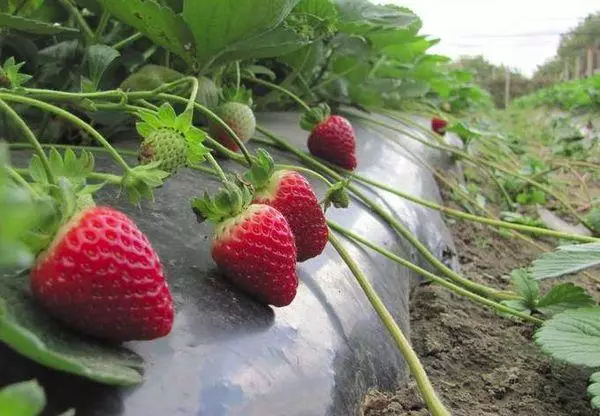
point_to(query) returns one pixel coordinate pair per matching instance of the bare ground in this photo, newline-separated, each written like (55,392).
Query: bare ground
(480,363)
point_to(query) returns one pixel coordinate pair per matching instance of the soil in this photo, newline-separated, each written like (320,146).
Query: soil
(480,363)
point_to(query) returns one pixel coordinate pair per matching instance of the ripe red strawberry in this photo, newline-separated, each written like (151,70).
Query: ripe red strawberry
(253,246)
(439,125)
(291,194)
(332,137)
(240,118)
(101,276)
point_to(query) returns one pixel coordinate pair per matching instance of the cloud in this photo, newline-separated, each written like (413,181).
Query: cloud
(518,33)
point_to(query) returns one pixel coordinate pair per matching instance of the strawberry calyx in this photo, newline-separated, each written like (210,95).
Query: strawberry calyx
(139,181)
(10,75)
(261,171)
(61,200)
(337,195)
(314,117)
(230,201)
(240,95)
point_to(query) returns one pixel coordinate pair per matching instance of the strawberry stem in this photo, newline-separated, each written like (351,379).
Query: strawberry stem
(278,88)
(436,279)
(193,94)
(123,152)
(127,41)
(481,163)
(103,177)
(154,94)
(216,168)
(464,215)
(395,224)
(33,141)
(74,11)
(434,404)
(70,117)
(19,180)
(238,76)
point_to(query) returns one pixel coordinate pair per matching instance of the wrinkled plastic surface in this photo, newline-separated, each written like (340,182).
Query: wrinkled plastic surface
(228,355)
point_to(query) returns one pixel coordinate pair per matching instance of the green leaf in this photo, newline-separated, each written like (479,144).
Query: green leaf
(324,9)
(159,23)
(566,260)
(24,7)
(384,38)
(8,21)
(217,25)
(22,399)
(572,336)
(280,41)
(99,59)
(362,16)
(564,296)
(407,52)
(594,390)
(517,304)
(31,332)
(525,286)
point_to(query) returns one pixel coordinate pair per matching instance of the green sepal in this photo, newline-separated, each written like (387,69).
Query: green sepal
(261,171)
(196,151)
(21,216)
(59,202)
(337,195)
(242,95)
(68,166)
(139,182)
(10,77)
(316,115)
(231,200)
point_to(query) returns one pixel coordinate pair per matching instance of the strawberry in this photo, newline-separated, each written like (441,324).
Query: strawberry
(439,125)
(331,137)
(253,245)
(101,276)
(166,146)
(240,118)
(291,194)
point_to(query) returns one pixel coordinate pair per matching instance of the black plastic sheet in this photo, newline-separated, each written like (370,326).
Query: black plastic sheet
(228,355)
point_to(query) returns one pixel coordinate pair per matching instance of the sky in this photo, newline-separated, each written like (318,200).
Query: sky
(519,33)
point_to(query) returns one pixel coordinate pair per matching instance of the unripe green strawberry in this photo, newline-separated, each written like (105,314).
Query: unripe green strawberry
(164,145)
(208,92)
(240,118)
